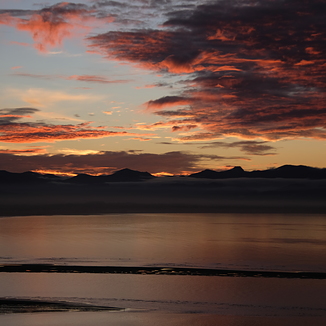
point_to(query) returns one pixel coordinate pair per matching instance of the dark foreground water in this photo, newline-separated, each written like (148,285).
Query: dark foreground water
(265,242)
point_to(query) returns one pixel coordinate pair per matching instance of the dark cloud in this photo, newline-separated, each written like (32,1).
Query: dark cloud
(252,69)
(10,115)
(16,12)
(109,4)
(168,101)
(106,162)
(248,147)
(103,162)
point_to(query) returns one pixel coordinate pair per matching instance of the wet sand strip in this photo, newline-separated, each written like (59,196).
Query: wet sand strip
(29,306)
(51,268)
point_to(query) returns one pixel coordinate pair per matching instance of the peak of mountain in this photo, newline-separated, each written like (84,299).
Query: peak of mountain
(129,175)
(84,178)
(209,174)
(237,168)
(235,172)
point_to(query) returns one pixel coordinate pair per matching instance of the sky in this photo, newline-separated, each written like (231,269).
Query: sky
(164,86)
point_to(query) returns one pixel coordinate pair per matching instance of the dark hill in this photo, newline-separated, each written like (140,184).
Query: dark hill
(129,175)
(86,179)
(208,174)
(236,172)
(285,171)
(123,175)
(291,172)
(25,178)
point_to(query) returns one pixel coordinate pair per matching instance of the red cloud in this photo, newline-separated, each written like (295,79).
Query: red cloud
(51,25)
(30,133)
(16,132)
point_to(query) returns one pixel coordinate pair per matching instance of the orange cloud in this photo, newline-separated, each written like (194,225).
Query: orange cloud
(30,151)
(29,133)
(51,25)
(96,79)
(12,131)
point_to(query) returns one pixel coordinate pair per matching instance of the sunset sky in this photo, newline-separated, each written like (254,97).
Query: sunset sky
(164,86)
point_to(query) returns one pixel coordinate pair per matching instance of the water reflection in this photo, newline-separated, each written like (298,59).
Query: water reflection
(286,242)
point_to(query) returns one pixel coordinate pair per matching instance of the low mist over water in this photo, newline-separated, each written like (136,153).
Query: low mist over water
(177,194)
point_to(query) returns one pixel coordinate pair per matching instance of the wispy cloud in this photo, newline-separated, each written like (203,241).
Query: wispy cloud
(41,97)
(14,131)
(83,78)
(248,147)
(23,152)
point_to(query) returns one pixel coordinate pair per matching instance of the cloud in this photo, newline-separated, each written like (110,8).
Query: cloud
(51,25)
(13,131)
(10,115)
(174,125)
(97,79)
(44,97)
(168,101)
(103,162)
(84,78)
(27,151)
(244,74)
(106,162)
(183,128)
(248,147)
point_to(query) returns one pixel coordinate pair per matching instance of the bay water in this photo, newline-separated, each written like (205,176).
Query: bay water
(265,242)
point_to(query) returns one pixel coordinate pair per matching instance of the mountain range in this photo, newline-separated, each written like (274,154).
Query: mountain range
(128,175)
(285,172)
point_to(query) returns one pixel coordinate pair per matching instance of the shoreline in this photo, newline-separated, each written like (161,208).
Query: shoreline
(14,305)
(52,268)
(98,208)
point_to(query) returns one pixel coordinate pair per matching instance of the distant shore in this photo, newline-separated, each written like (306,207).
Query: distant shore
(166,195)
(103,208)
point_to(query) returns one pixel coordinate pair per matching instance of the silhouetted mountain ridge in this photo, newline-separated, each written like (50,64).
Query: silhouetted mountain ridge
(26,177)
(124,175)
(236,172)
(284,171)
(128,175)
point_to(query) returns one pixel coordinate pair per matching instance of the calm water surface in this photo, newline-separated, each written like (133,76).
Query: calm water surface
(235,241)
